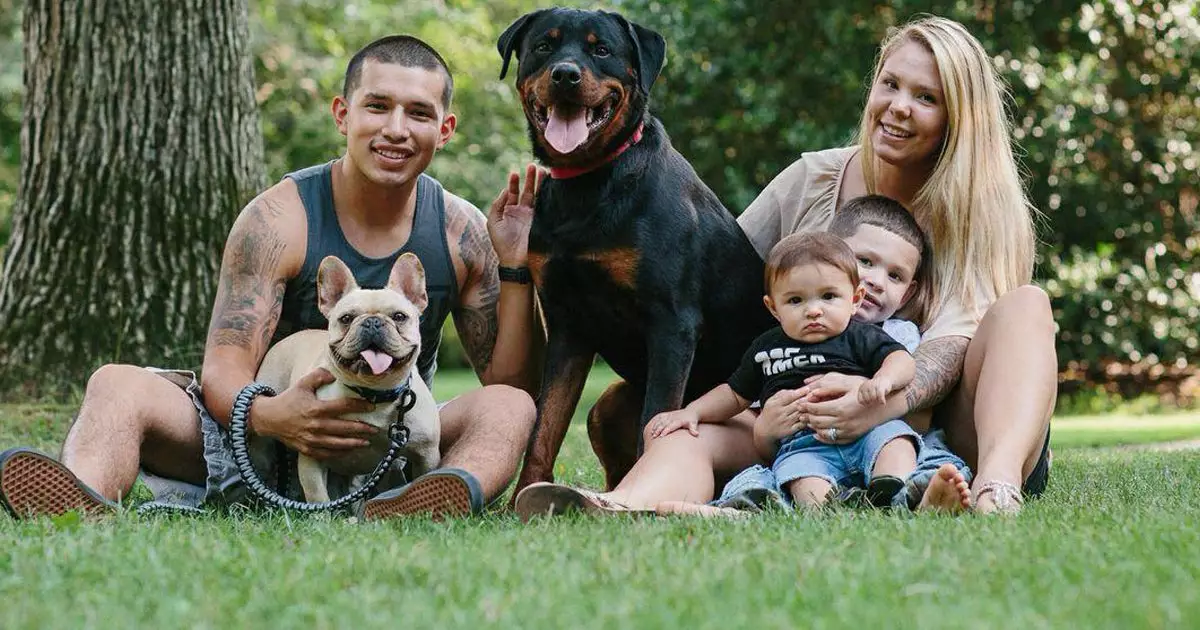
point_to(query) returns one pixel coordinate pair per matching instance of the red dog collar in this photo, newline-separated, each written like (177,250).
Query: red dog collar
(567,172)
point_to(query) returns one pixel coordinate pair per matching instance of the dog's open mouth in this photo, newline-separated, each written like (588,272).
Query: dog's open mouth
(567,126)
(376,362)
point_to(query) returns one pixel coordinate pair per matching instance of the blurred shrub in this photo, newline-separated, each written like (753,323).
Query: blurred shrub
(451,353)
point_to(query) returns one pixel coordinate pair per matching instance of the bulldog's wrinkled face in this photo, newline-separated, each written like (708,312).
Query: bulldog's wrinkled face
(374,334)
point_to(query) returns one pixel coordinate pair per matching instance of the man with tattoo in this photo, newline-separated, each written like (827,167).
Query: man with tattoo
(367,207)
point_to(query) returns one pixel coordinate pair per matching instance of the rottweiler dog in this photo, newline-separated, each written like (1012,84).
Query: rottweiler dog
(632,255)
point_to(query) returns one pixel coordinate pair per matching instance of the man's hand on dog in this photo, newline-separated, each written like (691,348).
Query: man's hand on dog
(670,421)
(510,216)
(308,425)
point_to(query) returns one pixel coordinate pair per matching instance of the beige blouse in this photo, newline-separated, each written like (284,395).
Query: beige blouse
(803,198)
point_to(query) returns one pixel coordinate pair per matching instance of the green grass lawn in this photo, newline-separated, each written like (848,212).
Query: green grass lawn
(1112,544)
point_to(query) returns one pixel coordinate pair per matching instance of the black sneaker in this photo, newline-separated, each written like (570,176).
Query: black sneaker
(882,490)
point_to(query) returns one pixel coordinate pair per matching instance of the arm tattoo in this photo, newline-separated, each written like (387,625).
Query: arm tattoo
(939,366)
(250,297)
(476,317)
(478,332)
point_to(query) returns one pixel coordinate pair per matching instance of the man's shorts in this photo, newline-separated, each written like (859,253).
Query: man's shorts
(223,483)
(802,455)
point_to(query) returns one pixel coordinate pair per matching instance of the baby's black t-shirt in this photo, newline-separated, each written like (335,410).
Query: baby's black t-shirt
(775,361)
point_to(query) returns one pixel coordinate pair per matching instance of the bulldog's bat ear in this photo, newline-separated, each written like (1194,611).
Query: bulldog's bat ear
(408,278)
(650,48)
(334,281)
(511,38)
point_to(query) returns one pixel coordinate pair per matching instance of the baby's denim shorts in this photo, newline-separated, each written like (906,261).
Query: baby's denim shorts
(840,464)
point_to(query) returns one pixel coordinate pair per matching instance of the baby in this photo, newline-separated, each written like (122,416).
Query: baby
(829,295)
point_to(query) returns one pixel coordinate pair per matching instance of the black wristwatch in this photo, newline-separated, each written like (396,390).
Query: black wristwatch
(520,275)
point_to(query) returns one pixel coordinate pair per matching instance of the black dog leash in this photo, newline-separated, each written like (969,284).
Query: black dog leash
(397,437)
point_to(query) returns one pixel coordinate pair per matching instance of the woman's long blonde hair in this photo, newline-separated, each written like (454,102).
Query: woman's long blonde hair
(972,207)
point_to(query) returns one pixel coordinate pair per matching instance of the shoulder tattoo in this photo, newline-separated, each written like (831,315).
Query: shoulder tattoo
(249,296)
(939,367)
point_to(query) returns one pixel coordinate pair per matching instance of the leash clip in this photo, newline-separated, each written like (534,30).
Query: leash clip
(398,434)
(408,400)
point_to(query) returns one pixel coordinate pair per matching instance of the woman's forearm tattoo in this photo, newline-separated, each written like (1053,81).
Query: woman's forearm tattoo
(939,366)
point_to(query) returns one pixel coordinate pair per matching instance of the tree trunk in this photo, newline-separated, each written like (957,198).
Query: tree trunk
(140,142)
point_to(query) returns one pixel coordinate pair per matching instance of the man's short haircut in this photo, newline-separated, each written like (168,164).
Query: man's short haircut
(810,248)
(405,50)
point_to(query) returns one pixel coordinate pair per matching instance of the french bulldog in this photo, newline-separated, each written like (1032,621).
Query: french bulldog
(371,348)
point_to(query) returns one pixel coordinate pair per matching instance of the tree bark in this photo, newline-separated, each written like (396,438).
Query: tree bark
(140,142)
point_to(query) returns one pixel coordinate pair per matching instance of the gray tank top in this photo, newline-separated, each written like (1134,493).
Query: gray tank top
(325,238)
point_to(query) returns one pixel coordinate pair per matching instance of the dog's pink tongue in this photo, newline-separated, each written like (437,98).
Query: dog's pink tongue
(378,361)
(566,134)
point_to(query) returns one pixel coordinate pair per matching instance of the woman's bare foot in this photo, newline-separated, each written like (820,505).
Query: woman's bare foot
(947,492)
(699,509)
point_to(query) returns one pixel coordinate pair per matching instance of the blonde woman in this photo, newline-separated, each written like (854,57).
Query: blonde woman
(935,136)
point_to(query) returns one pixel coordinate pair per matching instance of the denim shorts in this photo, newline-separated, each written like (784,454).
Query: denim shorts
(802,455)
(932,455)
(223,483)
(934,452)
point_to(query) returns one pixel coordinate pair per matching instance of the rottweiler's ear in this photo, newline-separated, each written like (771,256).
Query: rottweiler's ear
(512,36)
(651,51)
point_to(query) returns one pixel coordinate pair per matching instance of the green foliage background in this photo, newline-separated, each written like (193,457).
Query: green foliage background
(1106,103)
(1107,107)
